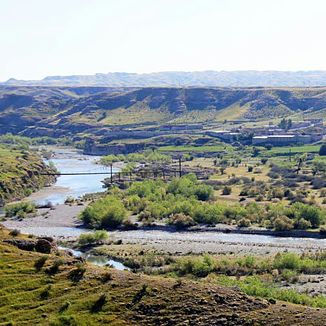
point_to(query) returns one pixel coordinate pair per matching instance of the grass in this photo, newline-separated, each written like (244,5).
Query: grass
(291,150)
(136,114)
(254,286)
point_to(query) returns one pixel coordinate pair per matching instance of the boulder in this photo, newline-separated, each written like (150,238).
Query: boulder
(43,246)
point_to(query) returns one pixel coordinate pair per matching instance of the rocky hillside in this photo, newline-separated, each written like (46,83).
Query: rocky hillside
(55,111)
(184,79)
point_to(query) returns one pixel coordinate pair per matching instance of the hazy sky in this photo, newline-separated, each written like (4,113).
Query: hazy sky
(64,37)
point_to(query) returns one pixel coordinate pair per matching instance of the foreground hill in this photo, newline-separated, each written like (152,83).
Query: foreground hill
(20,174)
(183,79)
(65,291)
(57,110)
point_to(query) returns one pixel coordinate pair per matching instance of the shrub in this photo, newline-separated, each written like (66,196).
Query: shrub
(19,209)
(188,186)
(244,222)
(39,263)
(99,303)
(65,306)
(55,267)
(313,214)
(77,274)
(302,224)
(198,266)
(93,238)
(226,191)
(203,192)
(107,212)
(181,221)
(283,223)
(287,261)
(45,293)
(322,150)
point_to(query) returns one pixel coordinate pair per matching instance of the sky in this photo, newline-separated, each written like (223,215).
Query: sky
(40,38)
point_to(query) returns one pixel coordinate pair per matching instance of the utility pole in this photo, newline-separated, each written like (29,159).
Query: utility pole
(180,167)
(111,174)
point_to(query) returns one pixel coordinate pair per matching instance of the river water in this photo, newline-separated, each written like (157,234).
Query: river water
(71,161)
(98,260)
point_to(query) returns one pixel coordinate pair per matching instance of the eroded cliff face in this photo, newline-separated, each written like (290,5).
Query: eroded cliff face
(21,174)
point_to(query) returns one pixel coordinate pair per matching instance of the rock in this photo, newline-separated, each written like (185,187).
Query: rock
(22,244)
(50,239)
(43,246)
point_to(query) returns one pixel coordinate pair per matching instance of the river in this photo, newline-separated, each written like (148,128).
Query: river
(72,161)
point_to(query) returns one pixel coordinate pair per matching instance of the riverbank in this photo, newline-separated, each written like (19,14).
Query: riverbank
(61,222)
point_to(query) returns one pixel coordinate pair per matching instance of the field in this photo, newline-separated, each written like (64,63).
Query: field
(292,150)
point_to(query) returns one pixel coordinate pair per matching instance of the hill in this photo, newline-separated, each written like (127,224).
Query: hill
(57,111)
(21,174)
(60,290)
(183,79)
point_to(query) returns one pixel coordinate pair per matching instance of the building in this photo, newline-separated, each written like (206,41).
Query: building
(225,135)
(283,139)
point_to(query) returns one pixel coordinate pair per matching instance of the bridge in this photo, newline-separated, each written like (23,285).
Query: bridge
(75,173)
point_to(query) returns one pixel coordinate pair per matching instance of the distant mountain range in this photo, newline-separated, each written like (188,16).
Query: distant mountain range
(248,78)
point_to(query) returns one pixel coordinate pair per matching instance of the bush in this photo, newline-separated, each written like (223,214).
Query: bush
(199,267)
(40,262)
(287,261)
(19,209)
(77,274)
(203,192)
(313,214)
(244,222)
(181,221)
(107,212)
(226,191)
(283,223)
(188,186)
(45,293)
(93,238)
(302,224)
(322,150)
(99,303)
(55,267)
